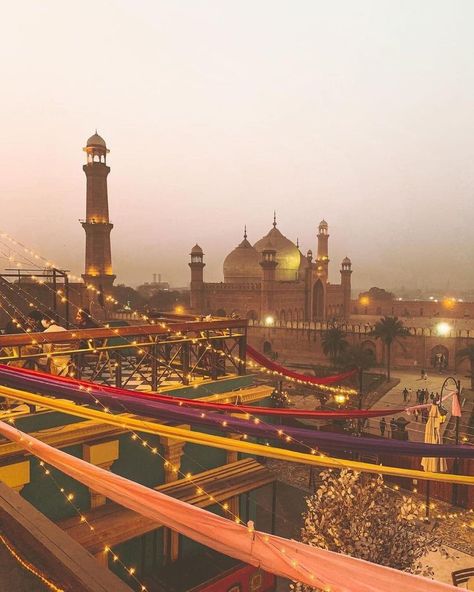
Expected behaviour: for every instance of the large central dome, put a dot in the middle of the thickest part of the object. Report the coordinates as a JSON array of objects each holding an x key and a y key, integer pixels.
[{"x": 288, "y": 255}]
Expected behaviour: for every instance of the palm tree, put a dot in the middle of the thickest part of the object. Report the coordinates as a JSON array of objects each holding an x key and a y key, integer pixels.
[
  {"x": 360, "y": 358},
  {"x": 389, "y": 329},
  {"x": 333, "y": 343},
  {"x": 467, "y": 353}
]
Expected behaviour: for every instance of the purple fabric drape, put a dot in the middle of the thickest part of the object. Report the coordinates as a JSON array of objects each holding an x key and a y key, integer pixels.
[{"x": 166, "y": 412}]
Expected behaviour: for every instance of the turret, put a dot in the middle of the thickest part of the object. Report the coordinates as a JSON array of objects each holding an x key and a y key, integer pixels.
[
  {"x": 346, "y": 272},
  {"x": 322, "y": 259},
  {"x": 308, "y": 281},
  {"x": 197, "y": 279},
  {"x": 268, "y": 264}
]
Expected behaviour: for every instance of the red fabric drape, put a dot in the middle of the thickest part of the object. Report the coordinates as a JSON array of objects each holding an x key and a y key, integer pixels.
[
  {"x": 263, "y": 361},
  {"x": 225, "y": 407}
]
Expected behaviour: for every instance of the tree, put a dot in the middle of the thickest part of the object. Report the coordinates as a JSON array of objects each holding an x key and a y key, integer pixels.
[
  {"x": 360, "y": 358},
  {"x": 467, "y": 353},
  {"x": 389, "y": 329},
  {"x": 333, "y": 343},
  {"x": 357, "y": 515}
]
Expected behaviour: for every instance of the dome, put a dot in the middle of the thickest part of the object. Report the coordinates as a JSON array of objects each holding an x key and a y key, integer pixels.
[
  {"x": 288, "y": 255},
  {"x": 196, "y": 250},
  {"x": 242, "y": 264},
  {"x": 96, "y": 141},
  {"x": 346, "y": 261},
  {"x": 323, "y": 224}
]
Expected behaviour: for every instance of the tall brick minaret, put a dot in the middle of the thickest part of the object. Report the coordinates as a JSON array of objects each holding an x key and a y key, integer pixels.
[{"x": 98, "y": 270}]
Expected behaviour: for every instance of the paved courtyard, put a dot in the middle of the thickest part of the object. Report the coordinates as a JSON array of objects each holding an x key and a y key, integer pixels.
[{"x": 394, "y": 398}]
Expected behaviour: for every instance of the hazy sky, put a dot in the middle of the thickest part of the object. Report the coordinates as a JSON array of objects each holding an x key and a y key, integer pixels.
[{"x": 218, "y": 112}]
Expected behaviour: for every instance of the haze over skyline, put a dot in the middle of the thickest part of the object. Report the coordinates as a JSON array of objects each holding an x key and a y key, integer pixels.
[{"x": 217, "y": 113}]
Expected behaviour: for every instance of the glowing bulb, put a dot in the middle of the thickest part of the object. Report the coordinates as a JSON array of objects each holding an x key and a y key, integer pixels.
[{"x": 443, "y": 329}]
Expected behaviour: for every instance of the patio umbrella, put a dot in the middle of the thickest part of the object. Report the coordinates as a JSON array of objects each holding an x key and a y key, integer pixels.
[{"x": 433, "y": 436}]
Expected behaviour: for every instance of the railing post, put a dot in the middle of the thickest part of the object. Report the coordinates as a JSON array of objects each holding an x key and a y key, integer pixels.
[
  {"x": 243, "y": 354},
  {"x": 118, "y": 370},
  {"x": 185, "y": 358},
  {"x": 214, "y": 362},
  {"x": 154, "y": 368}
]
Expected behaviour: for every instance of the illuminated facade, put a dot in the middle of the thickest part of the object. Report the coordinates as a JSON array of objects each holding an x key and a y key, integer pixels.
[
  {"x": 274, "y": 279},
  {"x": 98, "y": 268}
]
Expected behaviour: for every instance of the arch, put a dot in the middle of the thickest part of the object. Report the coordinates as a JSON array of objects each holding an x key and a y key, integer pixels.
[
  {"x": 252, "y": 315},
  {"x": 318, "y": 300},
  {"x": 439, "y": 357},
  {"x": 282, "y": 316},
  {"x": 267, "y": 347},
  {"x": 220, "y": 312},
  {"x": 290, "y": 315}
]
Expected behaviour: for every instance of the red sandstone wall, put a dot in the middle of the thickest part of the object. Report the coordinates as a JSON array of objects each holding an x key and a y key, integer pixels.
[
  {"x": 413, "y": 308},
  {"x": 304, "y": 345}
]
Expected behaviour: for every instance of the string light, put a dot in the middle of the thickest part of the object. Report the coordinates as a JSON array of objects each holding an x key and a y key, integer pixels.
[
  {"x": 28, "y": 566},
  {"x": 69, "y": 497},
  {"x": 335, "y": 390}
]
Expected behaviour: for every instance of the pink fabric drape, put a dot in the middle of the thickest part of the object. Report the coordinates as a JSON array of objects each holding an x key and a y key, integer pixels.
[
  {"x": 290, "y": 559},
  {"x": 456, "y": 406}
]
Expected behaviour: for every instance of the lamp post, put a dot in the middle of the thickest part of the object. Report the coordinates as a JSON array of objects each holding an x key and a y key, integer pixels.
[
  {"x": 457, "y": 384},
  {"x": 359, "y": 421}
]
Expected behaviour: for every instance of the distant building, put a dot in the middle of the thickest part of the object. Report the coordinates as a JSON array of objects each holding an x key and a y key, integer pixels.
[
  {"x": 149, "y": 289},
  {"x": 273, "y": 278}
]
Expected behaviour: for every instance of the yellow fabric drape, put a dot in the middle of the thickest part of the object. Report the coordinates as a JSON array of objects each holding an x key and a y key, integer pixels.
[{"x": 128, "y": 422}]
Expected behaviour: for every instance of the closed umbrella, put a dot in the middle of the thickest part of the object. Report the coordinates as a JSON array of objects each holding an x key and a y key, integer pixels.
[{"x": 433, "y": 436}]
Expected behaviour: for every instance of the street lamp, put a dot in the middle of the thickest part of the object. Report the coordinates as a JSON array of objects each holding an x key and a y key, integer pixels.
[
  {"x": 457, "y": 384},
  {"x": 269, "y": 321},
  {"x": 364, "y": 300},
  {"x": 443, "y": 329}
]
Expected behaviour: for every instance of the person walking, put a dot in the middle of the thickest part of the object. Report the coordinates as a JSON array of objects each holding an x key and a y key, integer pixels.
[
  {"x": 405, "y": 395},
  {"x": 393, "y": 427},
  {"x": 382, "y": 425}
]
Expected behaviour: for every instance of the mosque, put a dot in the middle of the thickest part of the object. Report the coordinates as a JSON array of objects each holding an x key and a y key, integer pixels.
[{"x": 273, "y": 278}]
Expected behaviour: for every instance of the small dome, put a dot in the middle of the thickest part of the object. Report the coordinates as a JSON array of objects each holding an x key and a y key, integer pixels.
[
  {"x": 323, "y": 224},
  {"x": 242, "y": 264},
  {"x": 287, "y": 256},
  {"x": 196, "y": 250},
  {"x": 96, "y": 141},
  {"x": 346, "y": 261}
]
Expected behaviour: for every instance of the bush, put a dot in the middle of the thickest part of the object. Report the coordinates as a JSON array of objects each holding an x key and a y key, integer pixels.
[{"x": 358, "y": 515}]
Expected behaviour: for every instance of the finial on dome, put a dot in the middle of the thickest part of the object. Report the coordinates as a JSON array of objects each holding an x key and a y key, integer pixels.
[
  {"x": 297, "y": 243},
  {"x": 274, "y": 218},
  {"x": 245, "y": 231}
]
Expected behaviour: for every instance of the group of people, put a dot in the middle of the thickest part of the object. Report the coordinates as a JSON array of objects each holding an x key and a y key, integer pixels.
[
  {"x": 392, "y": 427},
  {"x": 43, "y": 322}
]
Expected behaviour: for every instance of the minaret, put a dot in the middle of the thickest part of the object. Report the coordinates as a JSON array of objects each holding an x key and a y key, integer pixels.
[
  {"x": 268, "y": 264},
  {"x": 322, "y": 259},
  {"x": 98, "y": 271},
  {"x": 197, "y": 279},
  {"x": 346, "y": 271},
  {"x": 308, "y": 287}
]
